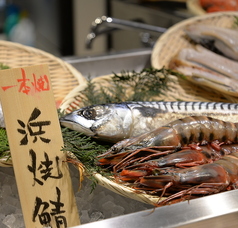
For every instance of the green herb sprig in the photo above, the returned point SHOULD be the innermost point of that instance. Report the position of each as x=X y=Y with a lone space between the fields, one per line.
x=84 y=148
x=235 y=25
x=3 y=66
x=129 y=86
x=4 y=146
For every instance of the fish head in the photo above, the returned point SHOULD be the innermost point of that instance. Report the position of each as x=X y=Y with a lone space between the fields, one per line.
x=108 y=122
x=78 y=120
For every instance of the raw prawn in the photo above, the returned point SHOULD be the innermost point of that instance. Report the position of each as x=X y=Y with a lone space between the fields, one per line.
x=196 y=181
x=135 y=155
x=181 y=159
x=182 y=132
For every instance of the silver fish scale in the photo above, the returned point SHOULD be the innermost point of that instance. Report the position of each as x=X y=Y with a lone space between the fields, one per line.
x=183 y=106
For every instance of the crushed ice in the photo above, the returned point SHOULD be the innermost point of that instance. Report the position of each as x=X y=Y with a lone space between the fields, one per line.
x=100 y=204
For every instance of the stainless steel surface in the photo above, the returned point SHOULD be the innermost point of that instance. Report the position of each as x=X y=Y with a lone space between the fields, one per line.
x=220 y=210
x=104 y=24
x=107 y=64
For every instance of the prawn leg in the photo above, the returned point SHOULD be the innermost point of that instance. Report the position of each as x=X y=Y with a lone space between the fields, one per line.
x=142 y=153
x=191 y=193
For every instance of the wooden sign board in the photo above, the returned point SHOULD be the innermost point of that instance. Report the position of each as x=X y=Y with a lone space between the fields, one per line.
x=35 y=140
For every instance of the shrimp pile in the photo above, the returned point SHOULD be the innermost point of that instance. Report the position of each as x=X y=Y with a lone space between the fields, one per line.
x=186 y=159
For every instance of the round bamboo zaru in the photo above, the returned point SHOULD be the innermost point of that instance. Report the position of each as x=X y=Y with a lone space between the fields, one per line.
x=174 y=40
x=64 y=77
x=66 y=80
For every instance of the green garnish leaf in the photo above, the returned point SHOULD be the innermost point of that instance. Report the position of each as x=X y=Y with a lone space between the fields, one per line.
x=3 y=66
x=129 y=86
x=4 y=146
x=84 y=148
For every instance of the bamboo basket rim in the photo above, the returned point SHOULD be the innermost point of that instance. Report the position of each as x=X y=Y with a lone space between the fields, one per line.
x=179 y=26
x=125 y=190
x=37 y=51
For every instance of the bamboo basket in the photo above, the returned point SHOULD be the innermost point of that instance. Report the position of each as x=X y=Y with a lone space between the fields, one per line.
x=64 y=77
x=165 y=48
x=171 y=42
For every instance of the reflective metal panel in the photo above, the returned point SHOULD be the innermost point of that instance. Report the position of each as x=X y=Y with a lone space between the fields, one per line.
x=219 y=210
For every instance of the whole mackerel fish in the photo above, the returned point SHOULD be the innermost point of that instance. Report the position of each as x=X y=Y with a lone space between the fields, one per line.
x=117 y=121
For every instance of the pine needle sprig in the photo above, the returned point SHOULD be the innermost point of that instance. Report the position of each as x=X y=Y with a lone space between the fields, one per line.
x=3 y=66
x=145 y=85
x=129 y=86
x=4 y=146
x=84 y=148
x=235 y=22
x=90 y=95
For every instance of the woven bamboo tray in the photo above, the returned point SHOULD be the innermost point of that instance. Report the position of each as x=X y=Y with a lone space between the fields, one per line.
x=171 y=42
x=64 y=77
x=166 y=47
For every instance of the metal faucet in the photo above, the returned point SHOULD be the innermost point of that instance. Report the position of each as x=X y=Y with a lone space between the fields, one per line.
x=112 y=24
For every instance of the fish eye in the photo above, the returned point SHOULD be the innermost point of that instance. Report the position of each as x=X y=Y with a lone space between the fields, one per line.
x=89 y=113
